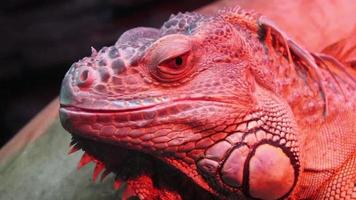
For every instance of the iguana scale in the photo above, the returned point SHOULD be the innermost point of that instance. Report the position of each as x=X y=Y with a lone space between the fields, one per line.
x=215 y=107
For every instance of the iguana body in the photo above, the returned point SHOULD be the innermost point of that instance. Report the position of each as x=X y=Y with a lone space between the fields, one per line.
x=215 y=107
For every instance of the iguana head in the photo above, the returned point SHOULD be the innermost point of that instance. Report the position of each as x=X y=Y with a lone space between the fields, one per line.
x=196 y=95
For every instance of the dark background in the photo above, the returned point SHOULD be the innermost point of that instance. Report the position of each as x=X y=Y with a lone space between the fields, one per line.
x=39 y=39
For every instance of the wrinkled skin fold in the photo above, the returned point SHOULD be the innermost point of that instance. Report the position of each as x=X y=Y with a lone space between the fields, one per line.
x=214 y=107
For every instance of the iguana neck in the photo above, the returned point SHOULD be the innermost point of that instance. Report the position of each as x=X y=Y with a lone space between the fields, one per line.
x=293 y=82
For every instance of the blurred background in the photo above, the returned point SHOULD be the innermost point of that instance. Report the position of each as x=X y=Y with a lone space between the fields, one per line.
x=39 y=39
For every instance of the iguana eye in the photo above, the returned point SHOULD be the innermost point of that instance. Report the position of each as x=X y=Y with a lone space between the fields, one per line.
x=170 y=58
x=179 y=61
x=173 y=66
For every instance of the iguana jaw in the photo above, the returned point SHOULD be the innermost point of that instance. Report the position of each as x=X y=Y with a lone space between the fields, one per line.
x=129 y=165
x=84 y=124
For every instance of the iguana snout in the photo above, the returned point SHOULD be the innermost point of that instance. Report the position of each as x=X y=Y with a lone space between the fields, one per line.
x=108 y=79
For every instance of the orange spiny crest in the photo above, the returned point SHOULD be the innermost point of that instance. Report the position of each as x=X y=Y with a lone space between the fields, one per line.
x=99 y=167
x=104 y=174
x=117 y=183
x=86 y=159
x=74 y=148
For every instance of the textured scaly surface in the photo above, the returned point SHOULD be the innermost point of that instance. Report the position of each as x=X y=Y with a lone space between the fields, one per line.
x=224 y=106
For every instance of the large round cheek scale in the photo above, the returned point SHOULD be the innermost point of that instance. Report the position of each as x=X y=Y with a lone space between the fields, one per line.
x=271 y=174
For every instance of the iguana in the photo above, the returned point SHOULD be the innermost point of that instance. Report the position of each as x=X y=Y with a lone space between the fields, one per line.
x=216 y=107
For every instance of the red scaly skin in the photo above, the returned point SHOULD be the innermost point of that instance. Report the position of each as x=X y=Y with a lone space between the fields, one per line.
x=222 y=107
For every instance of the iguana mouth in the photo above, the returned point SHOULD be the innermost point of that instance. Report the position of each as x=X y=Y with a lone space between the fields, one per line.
x=89 y=110
x=129 y=165
x=122 y=106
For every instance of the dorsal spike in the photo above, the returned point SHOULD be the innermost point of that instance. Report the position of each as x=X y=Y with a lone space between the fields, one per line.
x=74 y=148
x=94 y=52
x=117 y=183
x=86 y=158
x=99 y=167
x=104 y=174
x=73 y=142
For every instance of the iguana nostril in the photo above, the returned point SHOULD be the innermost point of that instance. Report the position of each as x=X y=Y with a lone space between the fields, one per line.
x=85 y=77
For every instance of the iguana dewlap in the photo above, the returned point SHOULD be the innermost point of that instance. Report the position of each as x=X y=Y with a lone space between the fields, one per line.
x=224 y=106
